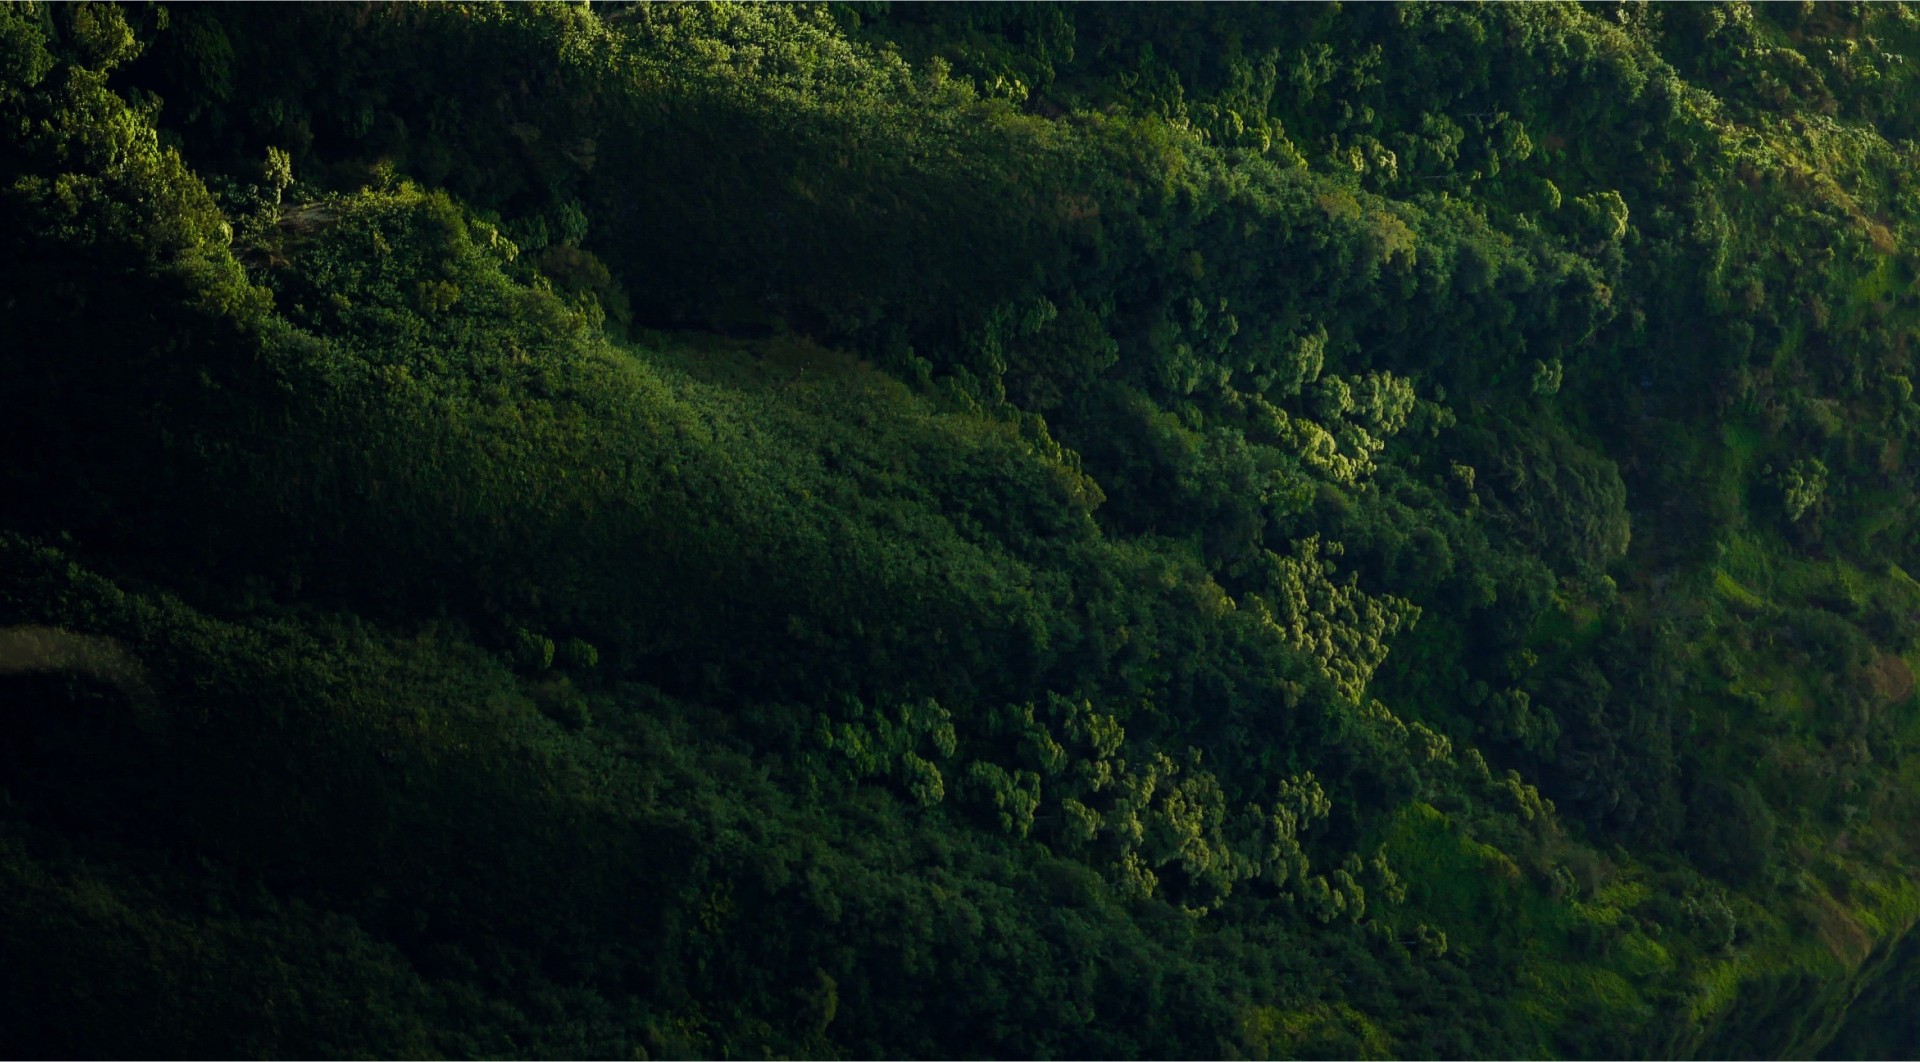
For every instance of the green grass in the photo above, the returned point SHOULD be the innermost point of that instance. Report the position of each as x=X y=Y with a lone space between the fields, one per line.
x=1732 y=591
x=1748 y=561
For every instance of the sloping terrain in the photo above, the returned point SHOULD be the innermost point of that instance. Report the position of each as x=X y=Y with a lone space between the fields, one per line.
x=937 y=530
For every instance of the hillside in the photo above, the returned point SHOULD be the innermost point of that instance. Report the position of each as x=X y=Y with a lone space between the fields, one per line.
x=866 y=530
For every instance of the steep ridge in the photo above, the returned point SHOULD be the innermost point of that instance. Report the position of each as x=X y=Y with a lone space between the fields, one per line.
x=1025 y=531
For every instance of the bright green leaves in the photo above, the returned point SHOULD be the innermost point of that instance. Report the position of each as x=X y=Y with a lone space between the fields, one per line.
x=1161 y=827
x=1299 y=805
x=278 y=172
x=24 y=59
x=1602 y=215
x=906 y=746
x=1381 y=402
x=1802 y=486
x=922 y=779
x=99 y=32
x=1342 y=628
x=1295 y=365
x=1066 y=743
x=1012 y=796
x=406 y=279
x=92 y=177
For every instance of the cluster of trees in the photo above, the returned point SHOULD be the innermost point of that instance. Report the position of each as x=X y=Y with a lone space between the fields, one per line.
x=1044 y=529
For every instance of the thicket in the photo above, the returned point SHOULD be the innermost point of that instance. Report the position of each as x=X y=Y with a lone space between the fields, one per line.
x=945 y=529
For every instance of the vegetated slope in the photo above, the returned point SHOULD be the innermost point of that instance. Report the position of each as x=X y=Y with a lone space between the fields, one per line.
x=1039 y=530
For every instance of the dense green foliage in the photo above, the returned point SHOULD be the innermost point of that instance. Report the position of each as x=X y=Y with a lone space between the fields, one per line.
x=1014 y=530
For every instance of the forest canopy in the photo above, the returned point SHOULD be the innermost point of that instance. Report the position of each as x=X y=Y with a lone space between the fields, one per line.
x=899 y=530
